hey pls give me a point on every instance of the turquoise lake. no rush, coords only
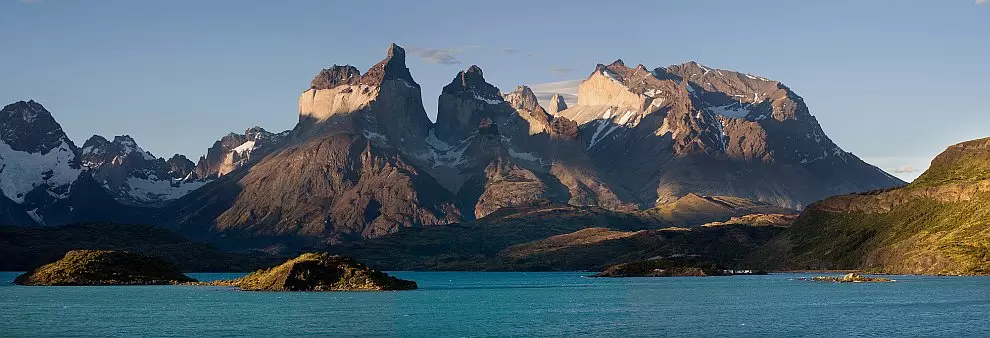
(512, 304)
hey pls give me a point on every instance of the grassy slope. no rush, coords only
(939, 224)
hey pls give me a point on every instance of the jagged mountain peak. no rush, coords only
(557, 104)
(393, 67)
(27, 126)
(471, 82)
(180, 167)
(523, 98)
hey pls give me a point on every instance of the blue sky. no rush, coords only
(893, 81)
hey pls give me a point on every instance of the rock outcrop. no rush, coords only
(103, 267)
(321, 272)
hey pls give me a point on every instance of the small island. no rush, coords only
(104, 267)
(663, 268)
(851, 278)
(318, 272)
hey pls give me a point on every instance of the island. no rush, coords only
(662, 268)
(318, 272)
(104, 267)
(851, 277)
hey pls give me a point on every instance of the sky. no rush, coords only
(893, 81)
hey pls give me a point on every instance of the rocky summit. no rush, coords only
(104, 267)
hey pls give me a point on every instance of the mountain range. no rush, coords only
(364, 160)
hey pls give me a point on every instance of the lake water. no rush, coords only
(511, 304)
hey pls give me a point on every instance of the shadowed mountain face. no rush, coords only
(364, 160)
(935, 225)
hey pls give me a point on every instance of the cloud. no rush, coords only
(443, 56)
(980, 2)
(904, 169)
(567, 89)
(561, 71)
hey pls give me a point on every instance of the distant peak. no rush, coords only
(523, 98)
(125, 139)
(557, 104)
(618, 62)
(524, 90)
(393, 67)
(394, 49)
(96, 140)
(475, 69)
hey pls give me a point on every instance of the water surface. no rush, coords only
(504, 304)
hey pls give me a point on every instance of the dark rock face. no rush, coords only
(102, 267)
(180, 167)
(393, 67)
(564, 129)
(29, 127)
(321, 272)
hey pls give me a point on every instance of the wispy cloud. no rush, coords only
(980, 2)
(443, 56)
(904, 169)
(561, 71)
(567, 89)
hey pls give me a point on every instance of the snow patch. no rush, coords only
(625, 117)
(373, 136)
(244, 147)
(489, 101)
(735, 110)
(601, 127)
(34, 215)
(151, 191)
(21, 172)
(524, 156)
